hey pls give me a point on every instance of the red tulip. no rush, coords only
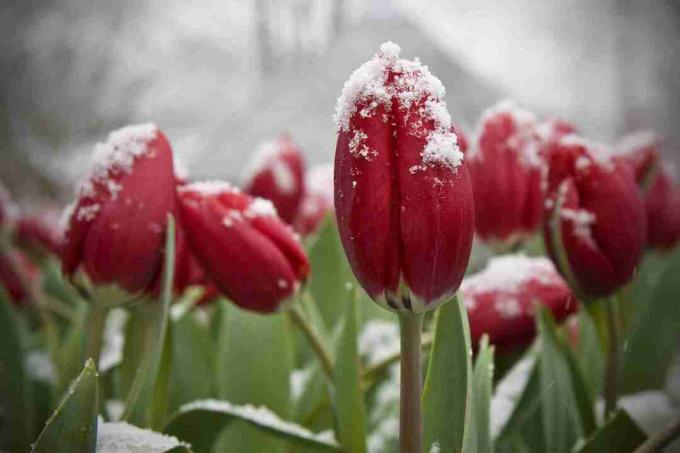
(662, 201)
(14, 284)
(461, 138)
(403, 197)
(595, 220)
(640, 151)
(245, 249)
(317, 201)
(502, 298)
(552, 129)
(505, 168)
(116, 229)
(40, 232)
(277, 174)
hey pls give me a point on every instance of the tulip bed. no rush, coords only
(308, 312)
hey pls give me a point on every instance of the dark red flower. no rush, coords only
(317, 201)
(595, 225)
(662, 201)
(277, 174)
(505, 168)
(244, 248)
(116, 229)
(11, 264)
(40, 233)
(403, 197)
(501, 299)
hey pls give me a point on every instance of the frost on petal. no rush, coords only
(582, 221)
(507, 274)
(260, 207)
(209, 188)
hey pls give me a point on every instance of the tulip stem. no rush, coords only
(95, 331)
(314, 339)
(410, 415)
(613, 357)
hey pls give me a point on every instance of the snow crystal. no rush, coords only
(435, 448)
(66, 214)
(379, 340)
(298, 381)
(120, 437)
(208, 188)
(412, 83)
(88, 212)
(508, 308)
(259, 415)
(526, 139)
(637, 141)
(260, 207)
(508, 272)
(39, 366)
(232, 216)
(582, 221)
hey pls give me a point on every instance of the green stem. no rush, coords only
(613, 357)
(314, 339)
(661, 439)
(410, 415)
(95, 331)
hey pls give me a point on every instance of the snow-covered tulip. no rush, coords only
(662, 201)
(505, 168)
(276, 173)
(595, 222)
(502, 298)
(250, 254)
(116, 227)
(403, 197)
(317, 201)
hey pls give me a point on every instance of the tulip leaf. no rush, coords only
(258, 358)
(16, 430)
(71, 352)
(121, 436)
(482, 386)
(589, 352)
(200, 422)
(348, 398)
(620, 433)
(652, 339)
(330, 273)
(447, 390)
(585, 400)
(561, 423)
(73, 426)
(145, 399)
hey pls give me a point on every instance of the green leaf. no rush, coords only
(348, 400)
(200, 422)
(258, 357)
(589, 353)
(73, 426)
(446, 395)
(561, 424)
(71, 352)
(16, 430)
(652, 340)
(144, 404)
(482, 386)
(330, 273)
(585, 400)
(121, 436)
(620, 434)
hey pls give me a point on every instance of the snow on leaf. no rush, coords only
(121, 437)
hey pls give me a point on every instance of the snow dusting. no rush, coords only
(209, 188)
(637, 141)
(388, 80)
(598, 152)
(507, 273)
(582, 221)
(508, 308)
(260, 207)
(378, 340)
(121, 437)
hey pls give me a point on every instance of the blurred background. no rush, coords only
(220, 76)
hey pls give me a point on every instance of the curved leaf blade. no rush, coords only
(482, 385)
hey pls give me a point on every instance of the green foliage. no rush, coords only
(619, 434)
(447, 390)
(482, 389)
(73, 426)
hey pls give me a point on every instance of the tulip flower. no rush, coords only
(505, 168)
(595, 224)
(116, 226)
(662, 202)
(245, 249)
(501, 299)
(276, 173)
(317, 201)
(403, 197)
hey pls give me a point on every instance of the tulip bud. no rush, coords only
(505, 168)
(595, 224)
(662, 202)
(501, 299)
(276, 173)
(403, 197)
(116, 227)
(317, 201)
(245, 249)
